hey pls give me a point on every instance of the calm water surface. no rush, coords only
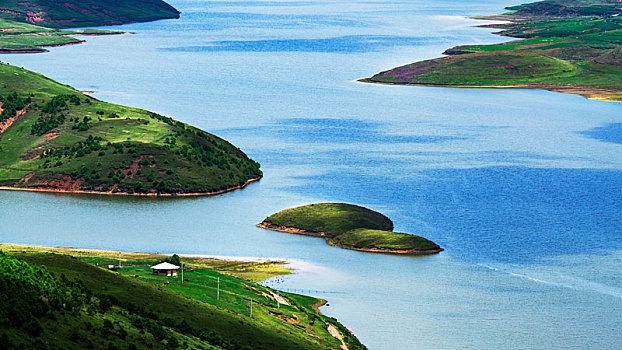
(523, 188)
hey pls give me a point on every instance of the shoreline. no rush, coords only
(388, 251)
(41, 48)
(270, 226)
(297, 231)
(590, 93)
(68, 250)
(150, 194)
(587, 93)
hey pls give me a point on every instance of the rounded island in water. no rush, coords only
(349, 226)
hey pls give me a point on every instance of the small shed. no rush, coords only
(165, 269)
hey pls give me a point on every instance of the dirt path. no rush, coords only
(279, 299)
(335, 333)
(7, 123)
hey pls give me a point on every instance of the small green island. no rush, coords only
(570, 46)
(349, 226)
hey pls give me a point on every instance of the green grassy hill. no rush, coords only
(348, 226)
(367, 239)
(55, 301)
(568, 46)
(329, 218)
(56, 138)
(85, 13)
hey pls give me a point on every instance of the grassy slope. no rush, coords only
(84, 13)
(132, 149)
(186, 311)
(348, 226)
(567, 47)
(331, 218)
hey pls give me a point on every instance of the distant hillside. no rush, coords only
(85, 13)
(568, 8)
(55, 138)
(570, 46)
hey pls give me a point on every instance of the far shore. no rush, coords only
(589, 93)
(131, 255)
(150, 194)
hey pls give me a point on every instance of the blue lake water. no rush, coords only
(522, 188)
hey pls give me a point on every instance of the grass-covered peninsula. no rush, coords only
(30, 26)
(18, 37)
(571, 46)
(54, 138)
(85, 13)
(349, 226)
(55, 298)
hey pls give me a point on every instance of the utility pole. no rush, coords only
(218, 290)
(182, 273)
(119, 259)
(251, 307)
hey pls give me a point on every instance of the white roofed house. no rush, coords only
(165, 269)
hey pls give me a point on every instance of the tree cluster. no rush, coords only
(50, 118)
(12, 103)
(29, 292)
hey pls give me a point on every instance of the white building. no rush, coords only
(165, 269)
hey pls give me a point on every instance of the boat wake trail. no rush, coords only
(563, 281)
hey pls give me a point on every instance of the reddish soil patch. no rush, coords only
(59, 45)
(270, 226)
(7, 123)
(283, 318)
(64, 184)
(77, 8)
(26, 178)
(50, 136)
(36, 17)
(45, 188)
(22, 51)
(11, 12)
(134, 166)
(399, 251)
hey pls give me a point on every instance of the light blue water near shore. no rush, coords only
(523, 188)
